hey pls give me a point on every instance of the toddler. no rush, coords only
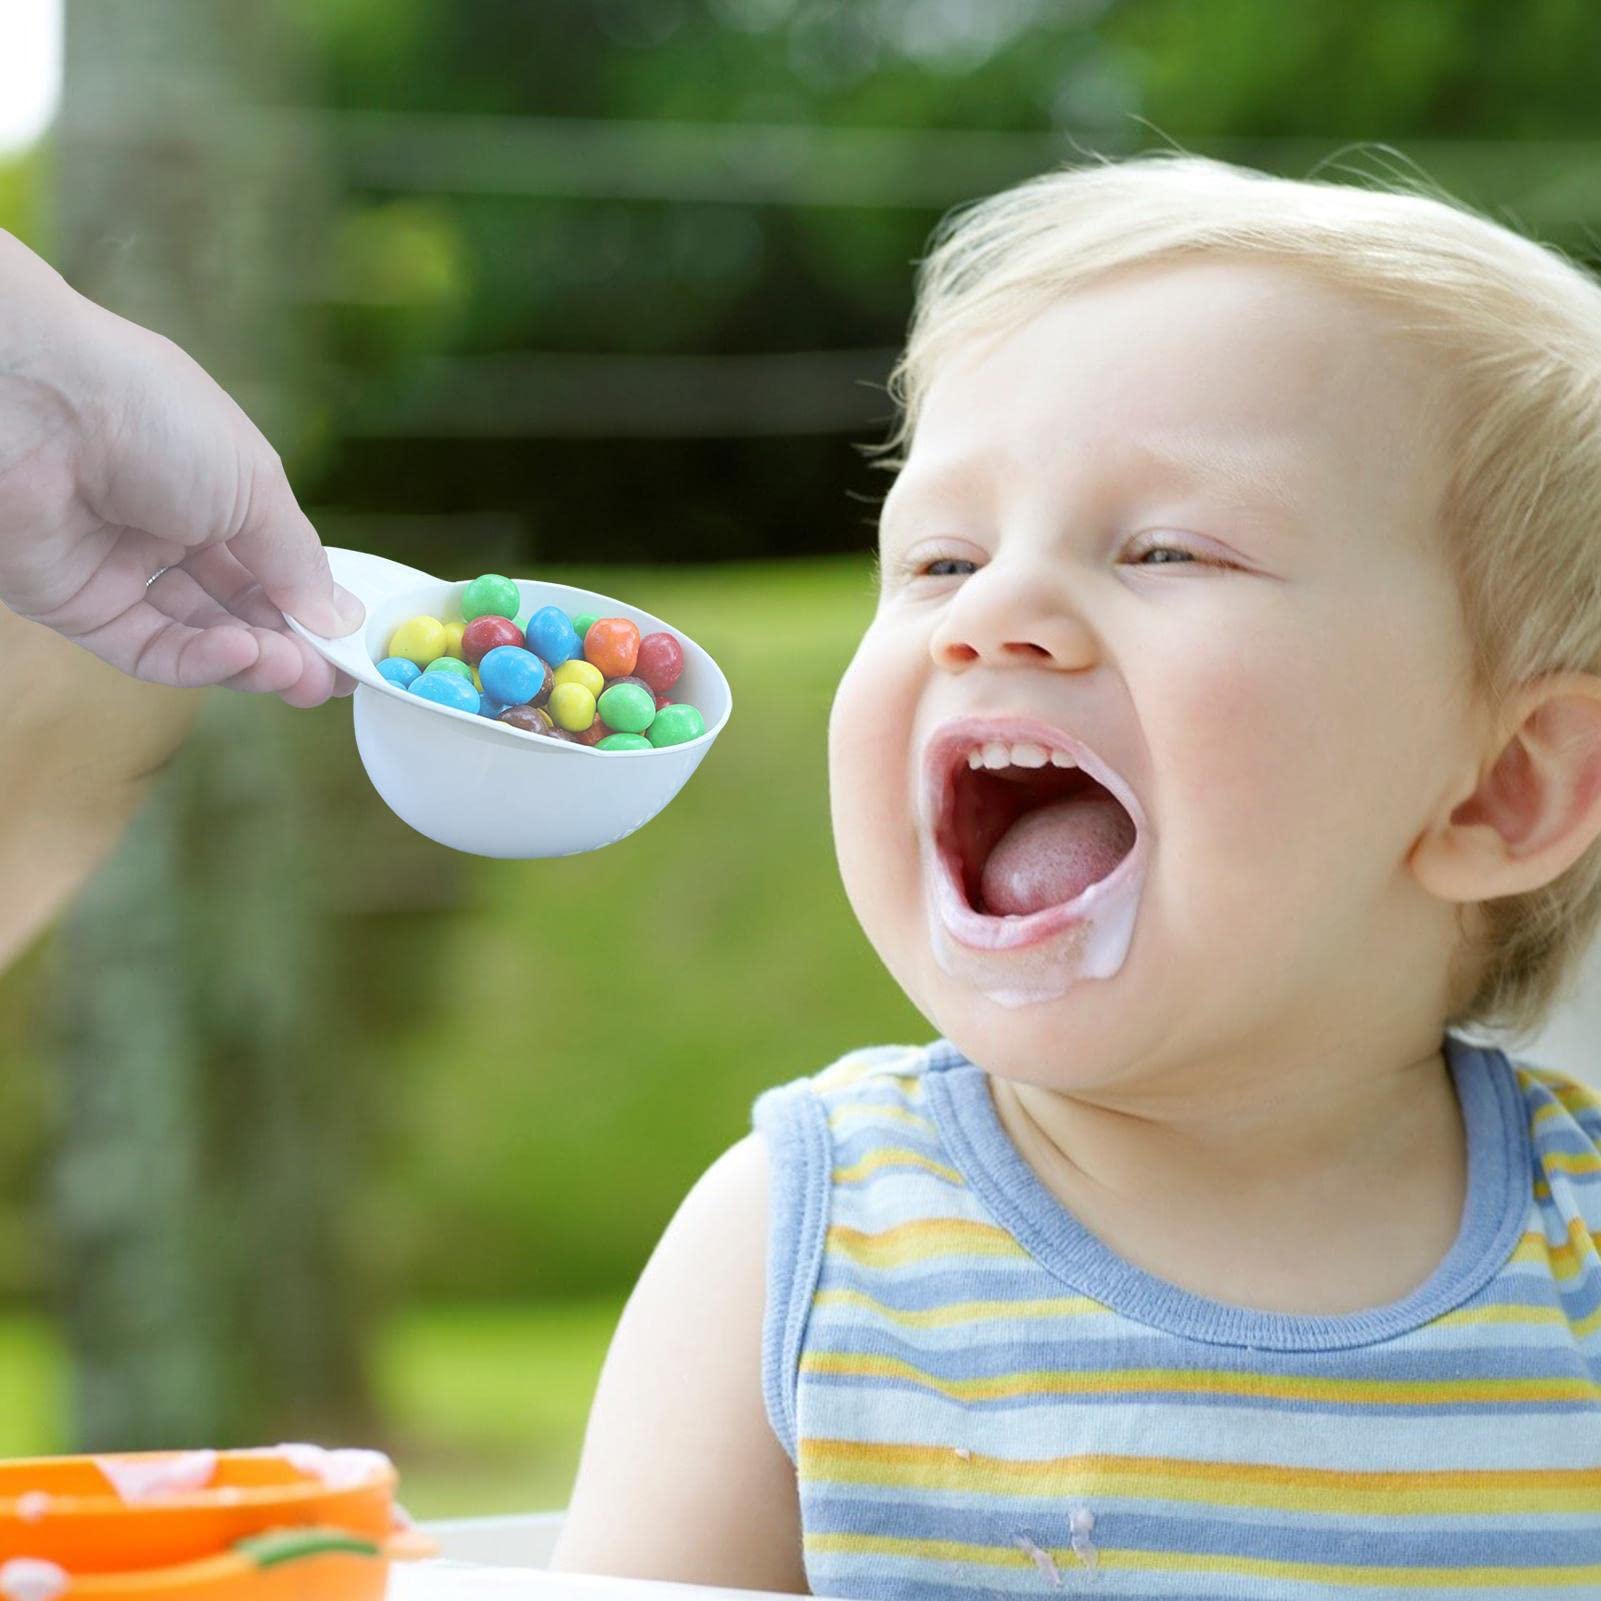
(1226, 743)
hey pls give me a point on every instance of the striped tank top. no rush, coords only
(979, 1395)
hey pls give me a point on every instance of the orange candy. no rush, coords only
(612, 645)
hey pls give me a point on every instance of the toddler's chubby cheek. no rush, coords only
(871, 792)
(1253, 760)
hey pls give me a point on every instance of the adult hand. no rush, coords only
(142, 514)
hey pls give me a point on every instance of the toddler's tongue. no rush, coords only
(1051, 854)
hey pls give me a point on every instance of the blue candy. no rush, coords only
(488, 707)
(447, 689)
(511, 675)
(551, 636)
(400, 672)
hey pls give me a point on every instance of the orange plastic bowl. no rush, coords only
(311, 1565)
(261, 1527)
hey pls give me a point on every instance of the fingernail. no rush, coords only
(351, 610)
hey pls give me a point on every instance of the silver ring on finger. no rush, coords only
(159, 573)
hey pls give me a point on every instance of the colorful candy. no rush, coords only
(552, 637)
(588, 680)
(511, 674)
(419, 639)
(399, 671)
(446, 689)
(674, 724)
(543, 697)
(490, 596)
(634, 678)
(660, 661)
(531, 719)
(573, 706)
(613, 646)
(484, 633)
(627, 708)
(578, 671)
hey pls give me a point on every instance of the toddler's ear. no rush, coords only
(1537, 808)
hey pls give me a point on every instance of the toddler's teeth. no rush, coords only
(1060, 758)
(975, 758)
(1028, 755)
(997, 755)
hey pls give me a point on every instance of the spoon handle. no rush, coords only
(372, 580)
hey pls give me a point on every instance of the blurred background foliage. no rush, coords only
(604, 291)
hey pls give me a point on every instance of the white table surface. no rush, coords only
(443, 1580)
(510, 1555)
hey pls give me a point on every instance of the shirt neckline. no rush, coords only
(1493, 1215)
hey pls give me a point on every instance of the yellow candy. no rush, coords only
(478, 683)
(573, 706)
(578, 671)
(419, 639)
(453, 632)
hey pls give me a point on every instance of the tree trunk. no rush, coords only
(206, 1150)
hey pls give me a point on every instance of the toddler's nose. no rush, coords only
(1011, 618)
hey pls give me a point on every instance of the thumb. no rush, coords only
(277, 543)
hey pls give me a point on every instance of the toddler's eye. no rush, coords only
(1182, 556)
(1190, 557)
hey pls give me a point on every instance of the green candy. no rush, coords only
(624, 741)
(582, 621)
(450, 664)
(674, 724)
(627, 708)
(490, 596)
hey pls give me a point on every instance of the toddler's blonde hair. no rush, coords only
(1518, 324)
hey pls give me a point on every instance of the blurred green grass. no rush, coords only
(603, 1022)
(32, 1379)
(486, 1405)
(483, 1406)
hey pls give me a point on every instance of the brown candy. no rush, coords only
(531, 719)
(632, 678)
(546, 687)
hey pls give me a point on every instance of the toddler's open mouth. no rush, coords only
(1030, 833)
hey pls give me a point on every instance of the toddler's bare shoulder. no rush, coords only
(681, 1477)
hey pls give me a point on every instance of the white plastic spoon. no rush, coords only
(479, 785)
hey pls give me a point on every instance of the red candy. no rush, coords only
(663, 700)
(595, 733)
(483, 634)
(612, 644)
(659, 662)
